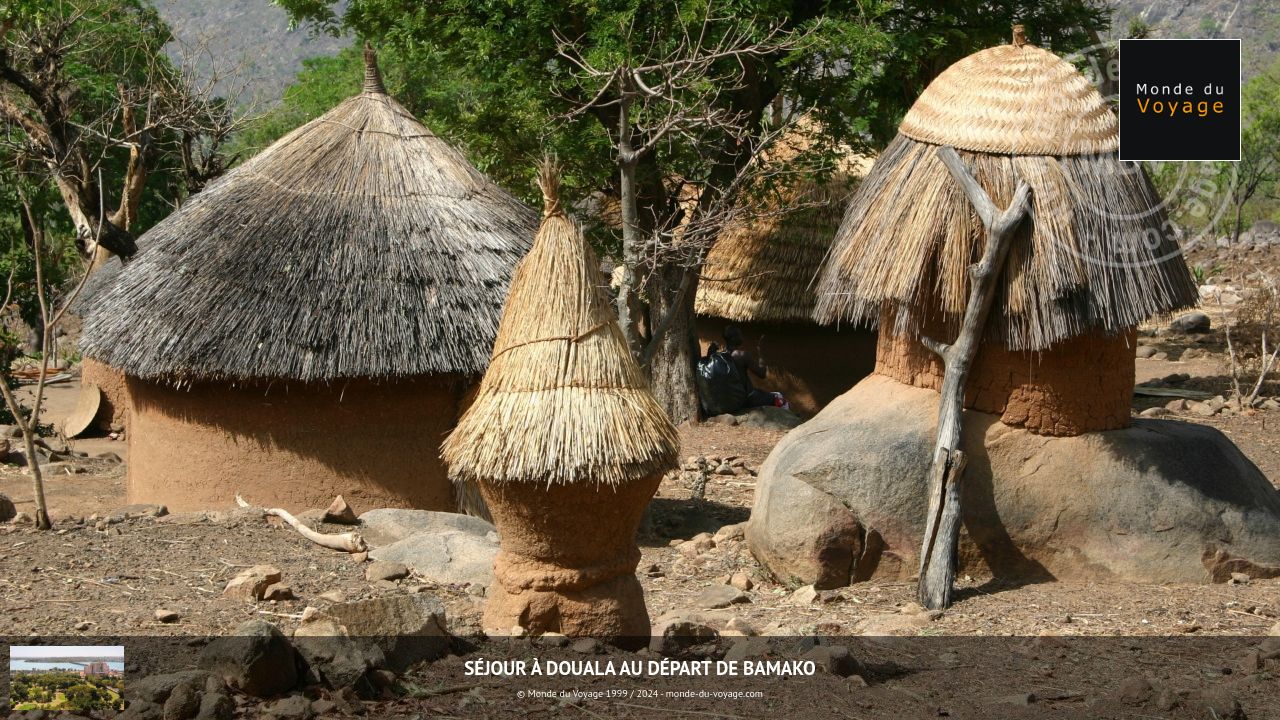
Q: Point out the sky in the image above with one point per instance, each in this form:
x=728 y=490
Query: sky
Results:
x=48 y=657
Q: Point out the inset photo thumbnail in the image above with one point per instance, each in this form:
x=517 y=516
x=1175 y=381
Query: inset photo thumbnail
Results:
x=76 y=678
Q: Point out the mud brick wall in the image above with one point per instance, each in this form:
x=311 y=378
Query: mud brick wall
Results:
x=1081 y=385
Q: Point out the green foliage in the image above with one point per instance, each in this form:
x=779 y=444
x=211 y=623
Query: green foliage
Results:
x=1208 y=196
x=485 y=73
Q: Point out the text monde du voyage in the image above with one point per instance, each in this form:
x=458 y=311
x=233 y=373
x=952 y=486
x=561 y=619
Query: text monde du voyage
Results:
x=1181 y=99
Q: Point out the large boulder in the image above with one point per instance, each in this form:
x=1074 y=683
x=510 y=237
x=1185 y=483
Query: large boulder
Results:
x=842 y=498
x=385 y=526
x=449 y=557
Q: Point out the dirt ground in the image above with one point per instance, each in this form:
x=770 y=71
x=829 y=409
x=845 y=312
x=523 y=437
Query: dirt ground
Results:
x=114 y=580
x=108 y=579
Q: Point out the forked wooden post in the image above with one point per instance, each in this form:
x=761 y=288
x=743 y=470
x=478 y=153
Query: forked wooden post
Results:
x=942 y=527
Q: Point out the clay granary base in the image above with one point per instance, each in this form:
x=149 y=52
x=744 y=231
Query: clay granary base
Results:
x=292 y=445
x=1080 y=385
x=568 y=559
x=114 y=410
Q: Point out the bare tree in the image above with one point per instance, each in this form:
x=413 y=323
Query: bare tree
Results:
x=70 y=138
x=702 y=95
x=49 y=319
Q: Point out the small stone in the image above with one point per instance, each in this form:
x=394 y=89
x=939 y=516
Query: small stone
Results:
x=385 y=570
x=726 y=469
x=1239 y=578
x=323 y=706
x=1022 y=699
x=251 y=583
x=728 y=533
x=721 y=596
x=82 y=626
x=834 y=659
x=741 y=581
x=738 y=626
x=7 y=510
x=1155 y=412
x=1135 y=690
x=340 y=513
x=167 y=616
x=1203 y=409
x=552 y=640
x=696 y=545
x=278 y=592
x=1177 y=405
x=1146 y=351
x=1270 y=404
x=332 y=596
x=1160 y=356
x=587 y=646
x=723 y=419
x=1274 y=631
x=22 y=518
x=1191 y=323
x=294 y=707
x=359 y=557
x=806 y=595
x=672 y=634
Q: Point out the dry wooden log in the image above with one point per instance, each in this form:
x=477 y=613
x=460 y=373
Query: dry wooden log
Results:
x=350 y=542
x=942 y=526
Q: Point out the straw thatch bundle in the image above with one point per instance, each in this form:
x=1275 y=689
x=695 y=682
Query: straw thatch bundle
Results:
x=360 y=245
x=761 y=267
x=563 y=400
x=1094 y=256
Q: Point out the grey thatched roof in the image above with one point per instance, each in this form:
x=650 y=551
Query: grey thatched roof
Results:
x=359 y=245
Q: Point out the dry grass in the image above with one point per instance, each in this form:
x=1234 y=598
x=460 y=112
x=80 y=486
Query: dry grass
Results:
x=1082 y=263
x=563 y=400
x=358 y=246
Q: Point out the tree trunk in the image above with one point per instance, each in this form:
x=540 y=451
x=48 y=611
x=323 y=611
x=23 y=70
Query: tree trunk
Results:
x=946 y=474
x=671 y=367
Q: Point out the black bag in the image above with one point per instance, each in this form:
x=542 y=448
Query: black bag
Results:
x=721 y=386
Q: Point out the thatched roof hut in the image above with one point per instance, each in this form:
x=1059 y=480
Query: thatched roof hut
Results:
x=563 y=400
x=349 y=273
x=1094 y=257
x=1093 y=260
x=759 y=276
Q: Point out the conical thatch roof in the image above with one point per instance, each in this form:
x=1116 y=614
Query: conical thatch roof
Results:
x=563 y=400
x=1013 y=100
x=359 y=245
x=1094 y=256
x=761 y=267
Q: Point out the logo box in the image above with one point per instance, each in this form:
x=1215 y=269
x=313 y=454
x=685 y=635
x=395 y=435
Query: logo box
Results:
x=1180 y=99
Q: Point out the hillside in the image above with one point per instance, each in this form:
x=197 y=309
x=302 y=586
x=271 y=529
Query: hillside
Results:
x=1256 y=22
x=250 y=35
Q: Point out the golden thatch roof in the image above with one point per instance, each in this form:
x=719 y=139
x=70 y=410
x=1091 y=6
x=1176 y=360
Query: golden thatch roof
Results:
x=359 y=245
x=1016 y=100
x=563 y=400
x=761 y=268
x=1094 y=255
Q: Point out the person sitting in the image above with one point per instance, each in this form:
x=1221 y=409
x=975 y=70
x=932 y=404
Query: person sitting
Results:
x=751 y=364
x=724 y=382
